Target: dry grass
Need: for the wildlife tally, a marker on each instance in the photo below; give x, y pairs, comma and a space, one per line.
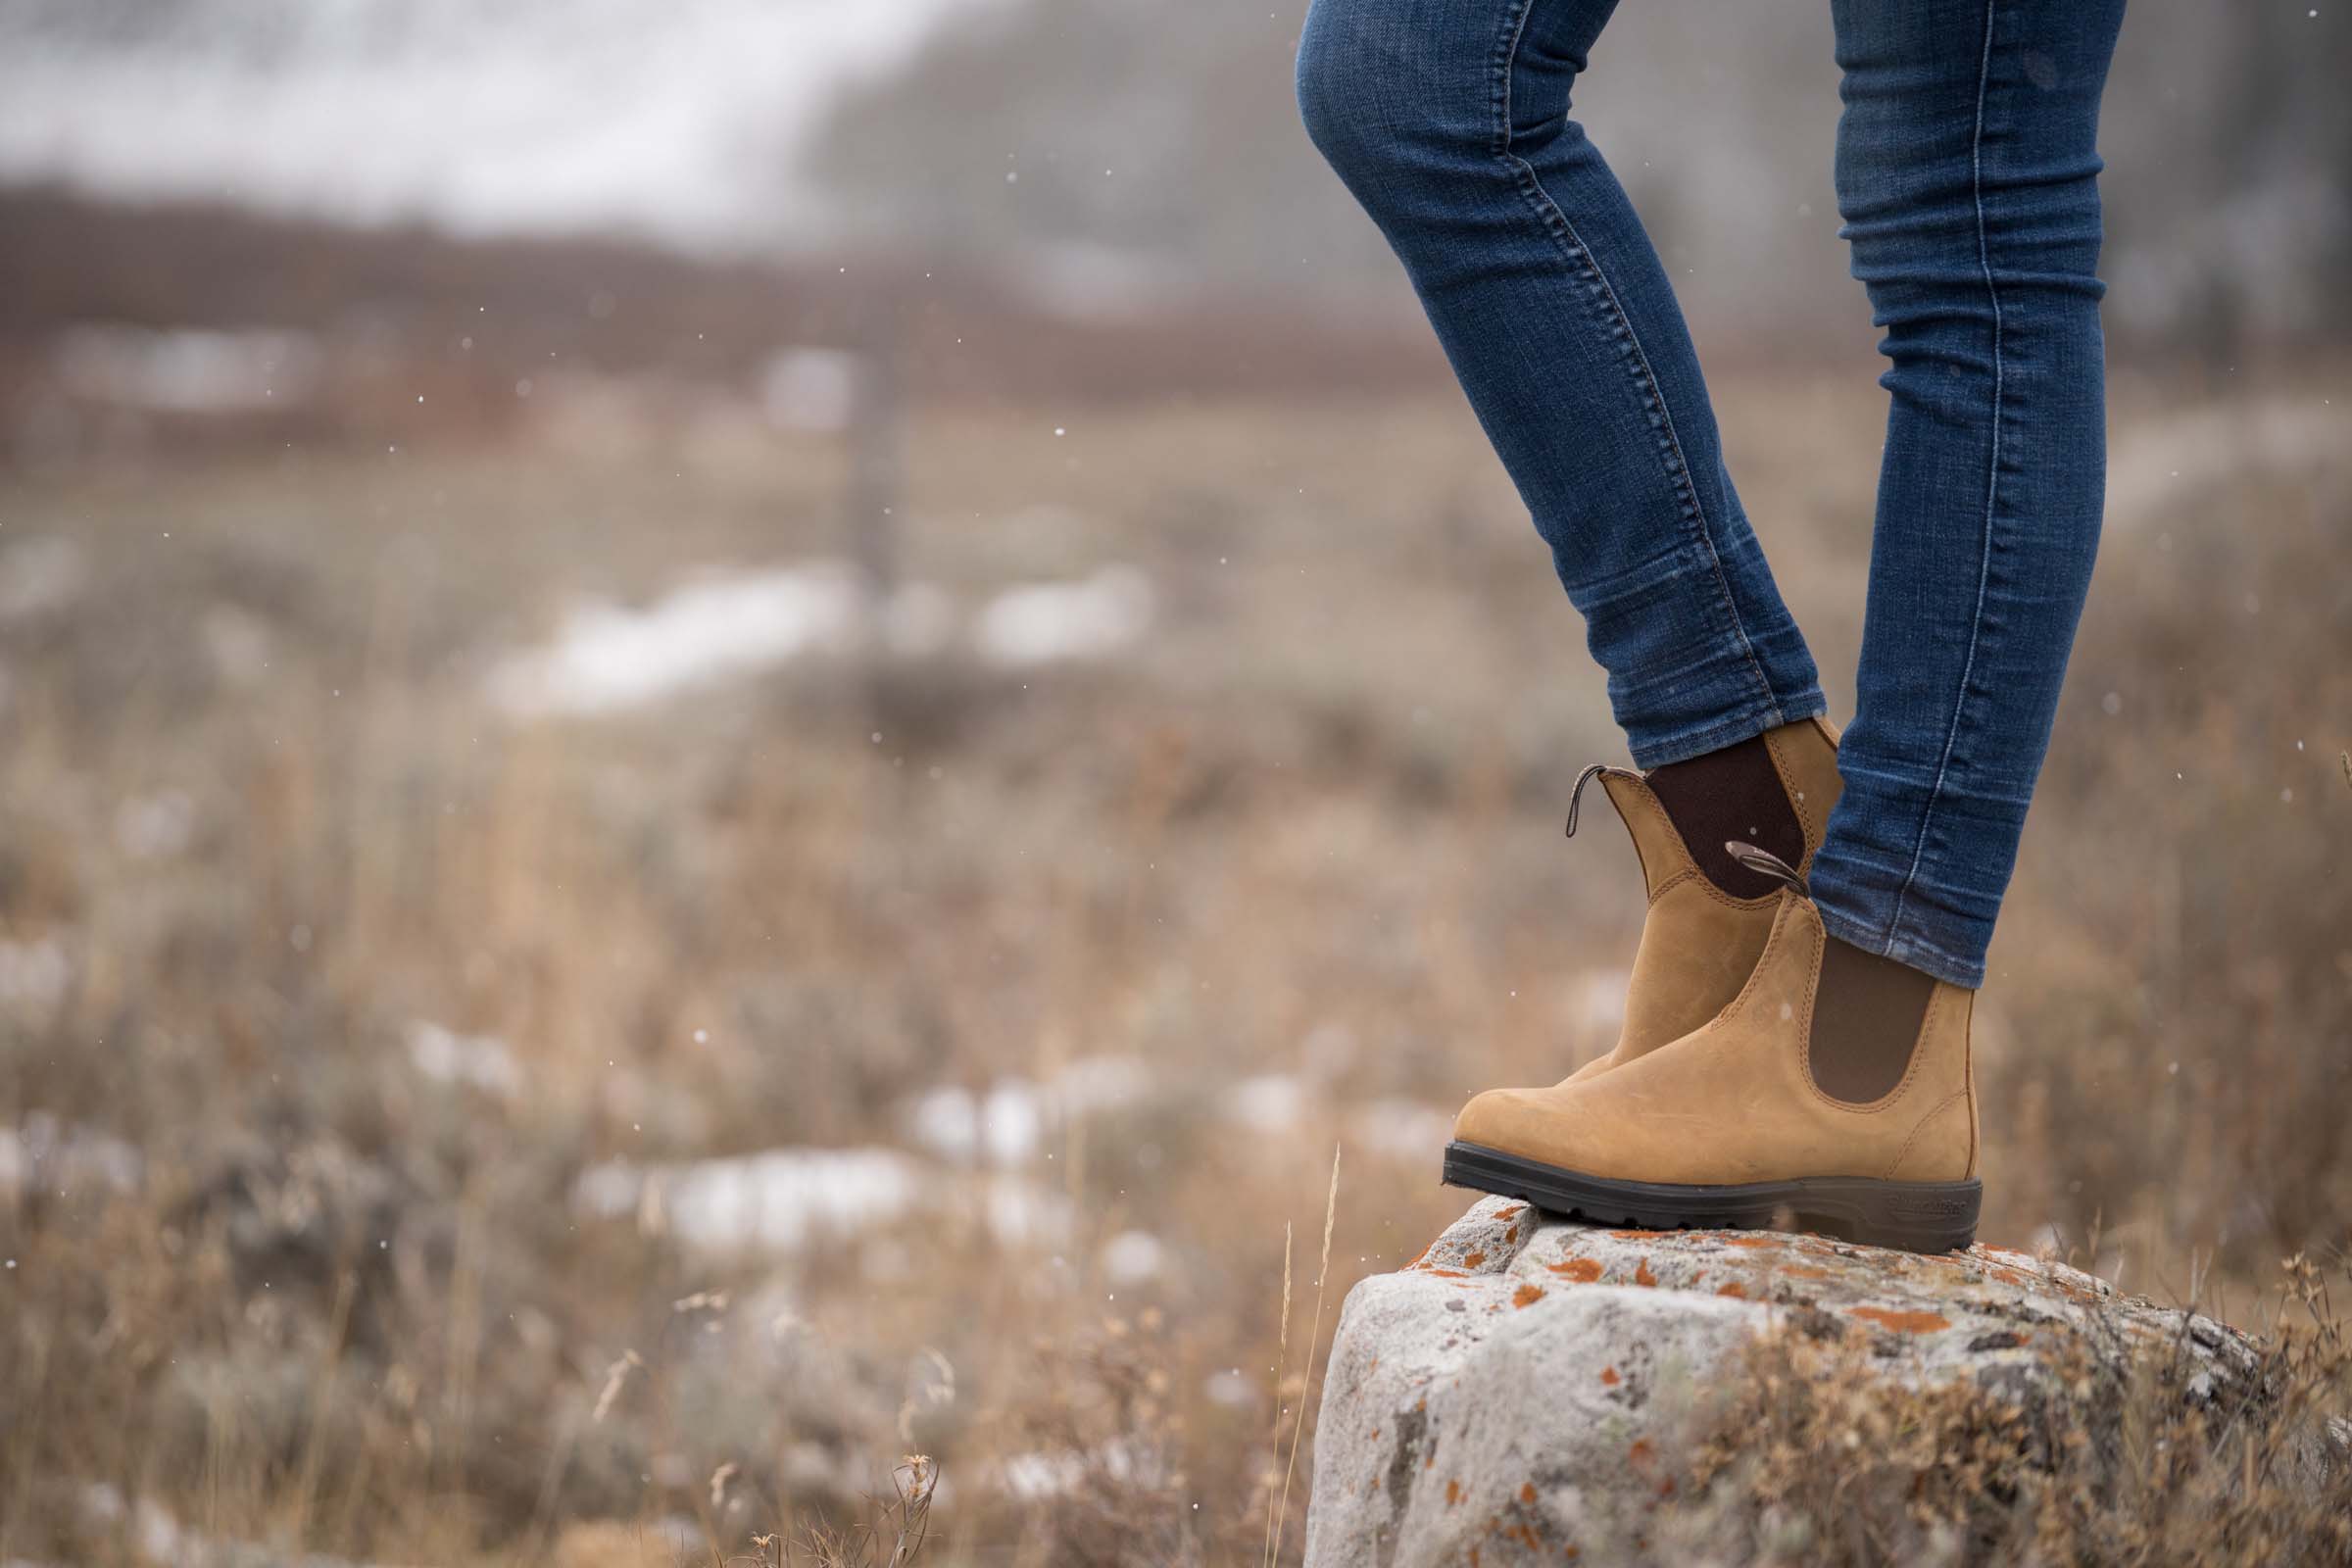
260, 826
2128, 1461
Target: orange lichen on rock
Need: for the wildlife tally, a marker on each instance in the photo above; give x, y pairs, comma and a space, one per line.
1751, 1240
1454, 1493
1473, 1260
1642, 1275
1527, 1491
1583, 1270
1512, 1212
1805, 1272
1527, 1296
1903, 1322
1734, 1290
1609, 1378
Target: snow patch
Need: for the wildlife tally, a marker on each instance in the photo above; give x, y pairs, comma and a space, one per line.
154, 827
477, 1062
1007, 1122
33, 975
604, 658
60, 1156
1046, 621
189, 371
811, 389
1042, 1477
40, 576
1133, 1256
1403, 1130
1270, 1103
786, 1199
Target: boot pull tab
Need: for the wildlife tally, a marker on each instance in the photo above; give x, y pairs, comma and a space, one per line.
1576, 796
1764, 862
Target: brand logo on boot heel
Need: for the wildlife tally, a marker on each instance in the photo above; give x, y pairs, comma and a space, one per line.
1933, 1208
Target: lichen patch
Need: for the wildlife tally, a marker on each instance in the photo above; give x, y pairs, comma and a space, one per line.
1903, 1322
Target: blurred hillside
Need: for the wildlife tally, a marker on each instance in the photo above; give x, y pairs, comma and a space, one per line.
193, 326
481, 115
1104, 159
1155, 145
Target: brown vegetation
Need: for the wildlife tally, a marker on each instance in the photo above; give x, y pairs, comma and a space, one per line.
287, 1268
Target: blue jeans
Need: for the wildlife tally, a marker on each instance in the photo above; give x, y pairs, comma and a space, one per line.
1967, 169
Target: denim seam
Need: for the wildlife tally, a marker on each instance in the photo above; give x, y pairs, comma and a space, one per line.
1992, 487
1580, 257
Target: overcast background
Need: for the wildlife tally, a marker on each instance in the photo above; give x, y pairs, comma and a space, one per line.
1113, 154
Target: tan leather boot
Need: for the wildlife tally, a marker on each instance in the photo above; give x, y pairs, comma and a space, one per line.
1731, 1125
1707, 923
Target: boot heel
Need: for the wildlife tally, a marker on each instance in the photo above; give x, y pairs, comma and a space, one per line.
1914, 1216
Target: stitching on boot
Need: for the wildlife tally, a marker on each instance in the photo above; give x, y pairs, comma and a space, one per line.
1927, 1121
1691, 867
1967, 1076
1777, 935
1754, 906
1651, 797
1797, 803
1885, 1101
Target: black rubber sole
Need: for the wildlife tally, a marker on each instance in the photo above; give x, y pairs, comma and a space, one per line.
1916, 1216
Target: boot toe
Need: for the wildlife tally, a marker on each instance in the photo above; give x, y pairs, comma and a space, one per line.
1509, 1121
1574, 1126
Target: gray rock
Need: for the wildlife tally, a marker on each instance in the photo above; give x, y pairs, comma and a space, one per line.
1530, 1386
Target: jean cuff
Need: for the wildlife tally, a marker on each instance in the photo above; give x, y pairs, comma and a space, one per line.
1655, 749
1904, 944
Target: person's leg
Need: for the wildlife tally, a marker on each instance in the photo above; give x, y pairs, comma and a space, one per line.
1967, 169
1448, 121
1839, 1084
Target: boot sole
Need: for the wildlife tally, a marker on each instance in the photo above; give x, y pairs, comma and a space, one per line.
1915, 1216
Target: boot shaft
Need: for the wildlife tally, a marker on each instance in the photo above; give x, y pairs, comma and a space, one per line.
1701, 936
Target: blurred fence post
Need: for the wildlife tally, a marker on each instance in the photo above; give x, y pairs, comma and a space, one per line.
878, 482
